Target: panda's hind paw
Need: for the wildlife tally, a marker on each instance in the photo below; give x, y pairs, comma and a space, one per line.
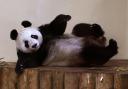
113, 45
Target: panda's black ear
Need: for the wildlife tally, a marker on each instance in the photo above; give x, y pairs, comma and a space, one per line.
13, 34
26, 24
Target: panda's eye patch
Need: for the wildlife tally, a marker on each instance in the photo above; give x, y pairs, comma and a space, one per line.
26, 44
34, 36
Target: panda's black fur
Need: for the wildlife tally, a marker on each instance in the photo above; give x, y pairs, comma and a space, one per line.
86, 46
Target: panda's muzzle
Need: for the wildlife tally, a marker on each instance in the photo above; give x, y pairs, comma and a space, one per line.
34, 46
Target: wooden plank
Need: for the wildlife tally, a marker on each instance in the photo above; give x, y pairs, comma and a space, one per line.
110, 76
45, 80
1, 78
4, 80
121, 81
28, 80
12, 79
104, 81
71, 80
87, 81
8, 78
32, 79
58, 80
117, 63
22, 81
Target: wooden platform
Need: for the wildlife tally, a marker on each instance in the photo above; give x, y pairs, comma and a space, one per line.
113, 75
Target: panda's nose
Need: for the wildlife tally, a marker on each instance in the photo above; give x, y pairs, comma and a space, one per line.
34, 46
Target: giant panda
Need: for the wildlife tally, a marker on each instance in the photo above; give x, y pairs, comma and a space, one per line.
47, 45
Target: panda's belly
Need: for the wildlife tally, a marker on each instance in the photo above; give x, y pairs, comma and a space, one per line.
64, 52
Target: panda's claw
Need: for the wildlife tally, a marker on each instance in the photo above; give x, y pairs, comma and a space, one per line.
19, 70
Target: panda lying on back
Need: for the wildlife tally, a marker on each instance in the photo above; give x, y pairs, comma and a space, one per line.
47, 45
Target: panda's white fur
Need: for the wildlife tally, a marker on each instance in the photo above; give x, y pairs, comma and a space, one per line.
64, 51
25, 35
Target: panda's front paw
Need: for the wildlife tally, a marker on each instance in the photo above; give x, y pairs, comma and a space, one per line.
63, 18
19, 69
113, 45
68, 17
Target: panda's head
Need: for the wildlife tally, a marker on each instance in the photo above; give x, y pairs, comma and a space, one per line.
29, 39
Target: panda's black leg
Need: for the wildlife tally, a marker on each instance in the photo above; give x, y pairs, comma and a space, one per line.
85, 29
21, 62
56, 27
19, 66
100, 55
82, 30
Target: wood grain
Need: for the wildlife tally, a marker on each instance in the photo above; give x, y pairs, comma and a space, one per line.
45, 80
113, 75
87, 81
104, 81
58, 80
71, 81
121, 81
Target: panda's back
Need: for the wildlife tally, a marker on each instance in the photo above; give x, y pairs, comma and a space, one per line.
64, 51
